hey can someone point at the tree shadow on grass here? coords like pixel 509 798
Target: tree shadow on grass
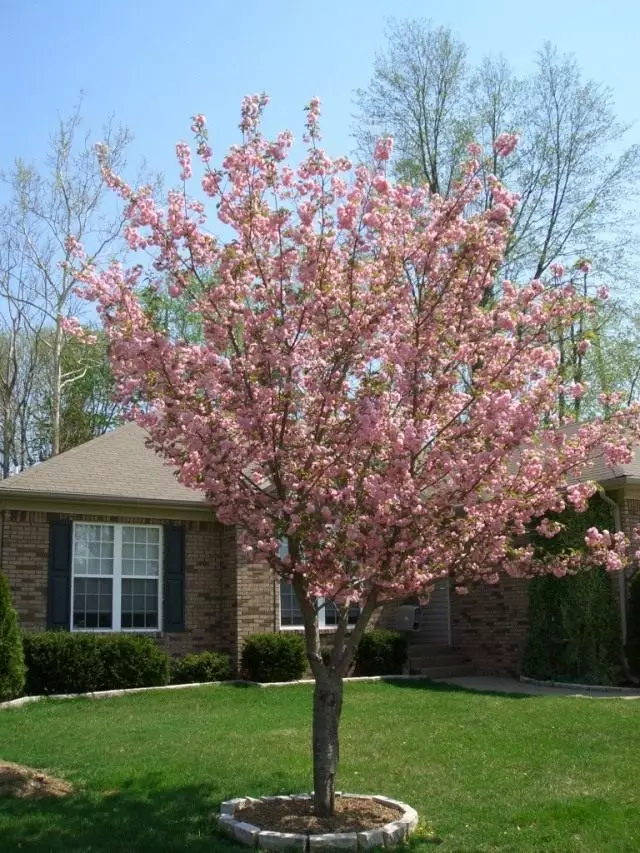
pixel 444 687
pixel 140 818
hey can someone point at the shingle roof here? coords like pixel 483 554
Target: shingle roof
pixel 614 475
pixel 115 466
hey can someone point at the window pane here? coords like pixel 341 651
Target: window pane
pixel 93 549
pixel 330 613
pixel 290 613
pixel 92 603
pixel 139 603
pixel 141 553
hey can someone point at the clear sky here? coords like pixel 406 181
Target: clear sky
pixel 154 63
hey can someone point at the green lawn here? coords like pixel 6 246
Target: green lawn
pixel 486 772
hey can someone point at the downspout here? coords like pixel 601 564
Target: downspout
pixel 622 585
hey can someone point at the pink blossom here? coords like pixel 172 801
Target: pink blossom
pixel 383 148
pixel 505 144
pixel 183 153
pixel 602 292
pixel 557 270
pixel 584 266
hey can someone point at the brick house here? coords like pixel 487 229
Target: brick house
pixel 104 538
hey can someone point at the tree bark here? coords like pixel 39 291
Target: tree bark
pixel 56 384
pixel 327 706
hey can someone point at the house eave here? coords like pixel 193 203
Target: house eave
pixel 107 504
pixel 619 482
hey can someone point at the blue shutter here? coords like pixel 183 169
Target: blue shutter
pixel 59 585
pixel 173 570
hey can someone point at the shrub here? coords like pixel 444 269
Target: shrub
pixel 574 629
pixel 206 666
pixel 574 622
pixel 381 653
pixel 12 672
pixel 632 648
pixel 274 657
pixel 61 662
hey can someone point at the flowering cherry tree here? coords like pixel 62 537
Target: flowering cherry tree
pixel 362 388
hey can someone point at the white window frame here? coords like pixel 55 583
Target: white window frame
pixel 116 577
pixel 321 609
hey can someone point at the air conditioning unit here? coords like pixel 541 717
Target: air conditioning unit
pixel 406 618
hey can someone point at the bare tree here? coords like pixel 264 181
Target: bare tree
pixel 418 95
pixel 575 190
pixel 51 210
pixel 20 355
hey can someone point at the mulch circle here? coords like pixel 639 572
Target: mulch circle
pixel 19 781
pixel 351 815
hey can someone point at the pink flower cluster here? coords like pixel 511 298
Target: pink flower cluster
pixel 505 144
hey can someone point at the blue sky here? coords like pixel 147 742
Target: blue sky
pixel 154 64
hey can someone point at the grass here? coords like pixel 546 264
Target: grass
pixel 486 772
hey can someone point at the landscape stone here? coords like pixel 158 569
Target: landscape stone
pixel 245 833
pixel 370 839
pixel 281 841
pixel 334 841
pixel 230 806
pixel 394 833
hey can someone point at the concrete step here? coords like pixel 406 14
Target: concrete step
pixel 417 645
pixel 436 660
pixel 446 671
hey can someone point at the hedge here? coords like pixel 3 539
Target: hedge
pixel 574 622
pixel 274 657
pixel 633 627
pixel 63 662
pixel 206 666
pixel 381 652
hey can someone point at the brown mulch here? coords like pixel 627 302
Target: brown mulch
pixel 19 781
pixel 351 815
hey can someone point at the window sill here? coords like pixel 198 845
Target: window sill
pixel 157 631
pixel 328 629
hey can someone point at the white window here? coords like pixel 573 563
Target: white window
pixel 116 577
pixel 291 615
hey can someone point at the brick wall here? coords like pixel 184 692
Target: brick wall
pixel 489 625
pixel 24 561
pixel 210 586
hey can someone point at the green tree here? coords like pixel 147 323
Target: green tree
pixel 12 669
pixel 575 188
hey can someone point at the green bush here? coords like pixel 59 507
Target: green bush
pixel 206 666
pixel 381 653
pixel 12 671
pixel 274 657
pixel 632 648
pixel 61 662
pixel 574 629
pixel 574 622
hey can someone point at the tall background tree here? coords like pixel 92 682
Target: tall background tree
pixel 579 186
pixel 572 172
pixel 54 390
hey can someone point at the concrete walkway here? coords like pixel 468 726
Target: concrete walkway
pixel 489 684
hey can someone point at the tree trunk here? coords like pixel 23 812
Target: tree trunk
pixel 56 388
pixel 327 705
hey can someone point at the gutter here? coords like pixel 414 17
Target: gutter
pixel 28 494
pixel 622 586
